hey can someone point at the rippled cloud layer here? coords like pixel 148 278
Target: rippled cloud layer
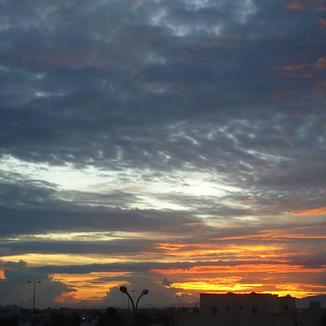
pixel 149 141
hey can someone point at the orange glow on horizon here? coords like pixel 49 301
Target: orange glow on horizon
pixel 225 285
pixel 87 287
pixel 222 285
pixel 253 268
pixel 278 279
pixel 2 275
pixel 258 262
pixel 66 298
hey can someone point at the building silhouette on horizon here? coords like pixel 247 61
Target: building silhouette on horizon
pixel 252 309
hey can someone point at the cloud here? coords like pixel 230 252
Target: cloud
pixel 16 290
pixel 166 282
pixel 158 295
pixel 131 124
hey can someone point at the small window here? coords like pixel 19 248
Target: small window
pixel 286 307
pixel 254 310
pixel 228 308
pixel 214 310
pixel 240 308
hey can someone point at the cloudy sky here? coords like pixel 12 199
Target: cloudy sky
pixel 178 145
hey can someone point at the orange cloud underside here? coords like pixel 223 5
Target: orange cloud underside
pixel 295 5
pixel 245 268
pixel 275 278
pixel 228 267
pixel 261 261
pixel 87 287
pixel 215 251
pixel 312 212
pixel 252 262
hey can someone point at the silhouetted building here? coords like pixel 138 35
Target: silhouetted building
pixel 252 304
pixel 310 317
pixel 249 310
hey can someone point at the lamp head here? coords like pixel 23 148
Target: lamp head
pixel 123 289
pixel 145 292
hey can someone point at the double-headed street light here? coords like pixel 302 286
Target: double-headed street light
pixel 124 290
pixel 34 286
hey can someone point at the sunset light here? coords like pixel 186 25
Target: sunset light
pixel 171 149
pixel 87 287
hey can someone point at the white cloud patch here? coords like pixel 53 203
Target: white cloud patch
pixel 148 187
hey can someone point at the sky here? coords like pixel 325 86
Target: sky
pixel 174 145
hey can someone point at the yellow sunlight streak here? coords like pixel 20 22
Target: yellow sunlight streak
pixel 250 268
pixel 211 252
pixel 233 284
pixel 221 285
pixel 33 259
pixel 311 212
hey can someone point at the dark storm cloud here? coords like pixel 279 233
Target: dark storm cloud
pixel 87 100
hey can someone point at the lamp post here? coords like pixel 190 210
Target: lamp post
pixel 124 290
pixel 34 294
pixel 143 292
pixel 34 290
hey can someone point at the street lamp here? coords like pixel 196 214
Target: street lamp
pixel 34 286
pixel 124 290
pixel 144 292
